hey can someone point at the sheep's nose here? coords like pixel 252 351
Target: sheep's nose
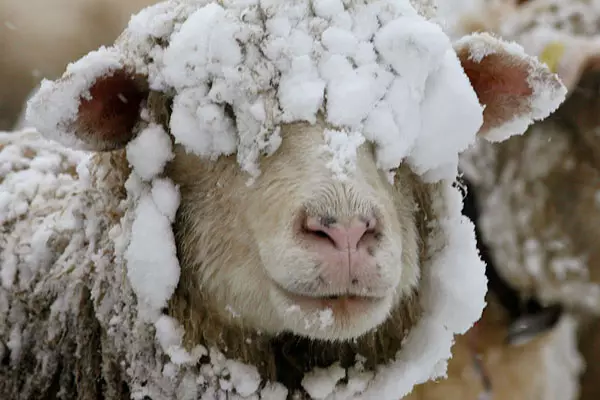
pixel 342 236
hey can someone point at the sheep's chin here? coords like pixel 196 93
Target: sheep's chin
pixel 331 318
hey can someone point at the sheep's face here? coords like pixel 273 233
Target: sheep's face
pixel 298 250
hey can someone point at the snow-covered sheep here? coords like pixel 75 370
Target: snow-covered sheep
pixel 539 192
pixel 515 351
pixel 39 37
pixel 484 365
pixel 254 198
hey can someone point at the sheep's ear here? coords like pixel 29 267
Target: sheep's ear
pixel 515 89
pixel 107 116
pixel 88 109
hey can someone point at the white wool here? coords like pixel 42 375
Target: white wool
pixel 274 391
pixel 459 118
pixel 328 8
pixel 170 335
pixel 337 62
pixel 152 140
pixel 412 46
pixel 321 382
pixel 301 90
pixel 152 265
pixel 38 182
pixel 352 95
pixel 339 41
pixel 346 61
pixel 166 197
pixel 237 70
pixel 204 45
pixel 245 379
pixel 201 128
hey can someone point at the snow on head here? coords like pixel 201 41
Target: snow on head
pixel 237 70
pixel 240 69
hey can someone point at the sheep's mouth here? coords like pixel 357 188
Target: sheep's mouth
pixel 343 303
pixel 350 297
pixel 347 299
pixel 347 296
pixel 338 303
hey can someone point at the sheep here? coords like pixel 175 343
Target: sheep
pixel 543 238
pixel 212 268
pixel 485 366
pixel 512 352
pixel 39 37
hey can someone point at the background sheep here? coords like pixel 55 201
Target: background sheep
pixel 484 365
pixel 539 191
pixel 240 266
pixel 39 37
pixel 513 351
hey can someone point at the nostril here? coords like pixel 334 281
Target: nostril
pixel 320 234
pixel 314 227
pixel 341 236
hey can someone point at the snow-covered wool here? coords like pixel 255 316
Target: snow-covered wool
pixel 37 45
pixel 204 80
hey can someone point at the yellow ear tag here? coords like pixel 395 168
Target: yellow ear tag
pixel 552 54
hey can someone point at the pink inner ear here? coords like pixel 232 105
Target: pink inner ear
pixel 501 86
pixel 106 120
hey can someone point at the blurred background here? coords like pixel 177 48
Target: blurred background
pixel 38 38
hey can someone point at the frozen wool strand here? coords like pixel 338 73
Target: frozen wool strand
pixel 155 140
pixel 152 265
pixel 166 197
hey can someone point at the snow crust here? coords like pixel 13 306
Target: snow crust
pixel 238 69
pixel 374 67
